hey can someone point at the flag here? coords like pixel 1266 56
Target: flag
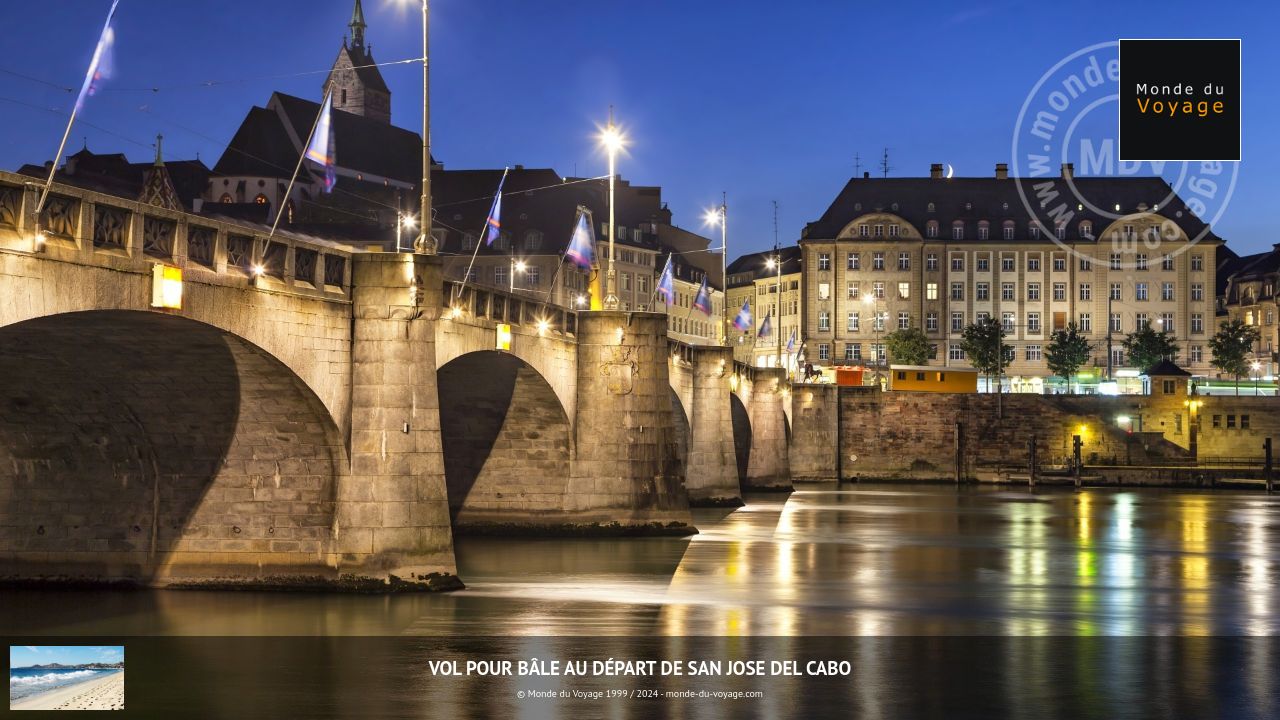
pixel 320 149
pixel 582 247
pixel 666 284
pixel 100 65
pixel 791 341
pixel 766 327
pixel 493 225
pixel 743 320
pixel 702 300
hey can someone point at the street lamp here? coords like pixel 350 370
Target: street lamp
pixel 1257 367
pixel 870 299
pixel 423 237
pixel 775 263
pixel 407 222
pixel 517 266
pixel 720 216
pixel 613 140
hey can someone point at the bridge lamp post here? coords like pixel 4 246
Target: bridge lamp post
pixel 517 266
pixel 613 141
pixel 775 263
pixel 426 132
pixel 870 300
pixel 1257 368
pixel 719 216
pixel 407 222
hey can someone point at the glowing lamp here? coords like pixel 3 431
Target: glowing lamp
pixel 543 326
pixel 166 287
pixel 504 337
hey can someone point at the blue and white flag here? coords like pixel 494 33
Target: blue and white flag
pixel 791 341
pixel 743 321
pixel 493 225
pixel 666 284
pixel 320 149
pixel 100 65
pixel 582 248
pixel 702 301
pixel 766 327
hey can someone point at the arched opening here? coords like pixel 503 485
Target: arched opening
pixel 506 441
pixel 680 429
pixel 135 445
pixel 741 435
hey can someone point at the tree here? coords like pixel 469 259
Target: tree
pixel 1231 346
pixel 1147 347
pixel 907 347
pixel 983 344
pixel 1066 352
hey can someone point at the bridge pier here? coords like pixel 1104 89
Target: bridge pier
pixel 391 522
pixel 768 467
pixel 711 473
pixel 625 473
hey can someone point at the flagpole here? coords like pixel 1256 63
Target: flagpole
pixel 75 110
pixel 467 275
pixel 301 156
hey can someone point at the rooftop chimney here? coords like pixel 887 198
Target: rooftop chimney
pixel 866 174
pixel 935 171
pixel 1002 171
pixel 1068 170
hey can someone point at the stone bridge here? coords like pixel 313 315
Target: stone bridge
pixel 314 414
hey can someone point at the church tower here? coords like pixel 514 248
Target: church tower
pixel 357 84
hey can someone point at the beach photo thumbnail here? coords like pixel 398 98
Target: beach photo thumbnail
pixel 66 677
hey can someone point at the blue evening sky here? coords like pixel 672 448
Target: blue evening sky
pixel 28 655
pixel 764 100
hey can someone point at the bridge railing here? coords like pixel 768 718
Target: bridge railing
pixel 487 303
pixel 93 228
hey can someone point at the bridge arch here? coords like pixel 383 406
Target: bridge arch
pixel 149 447
pixel 507 440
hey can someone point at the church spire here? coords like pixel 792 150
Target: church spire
pixel 357 26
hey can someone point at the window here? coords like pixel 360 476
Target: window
pixel 1166 291
pixel 1007 231
pixel 957 322
pixel 1169 386
pixel 931 229
pixel 955 352
pixel 1115 261
pixel 1033 353
pixel 904 260
pixel 1086 322
pixel 1006 291
pixel 1008 320
pixel 877 261
pixel 1033 264
pixel 824 320
pixel 534 275
pixel 1115 323
pixel 931 321
pixel 1141 320
pixel 983 318
pixel 1231 421
pixel 904 320
pixel 957 263
pixel 984 230
pixel 1061 230
pixel 1166 323
pixel 852 322
pixel 1142 261
pixel 864 231
pixel 853 288
pixel 1086 264
pixel 931 291
pixel 1244 422
pixel 878 321
pixel 1006 264
pixel 984 291
pixel 904 291
pixel 1033 231
pixel 853 351
pixel 261 199
pixel 957 291
pixel 1117 357
pixel 1059 291
pixel 957 230
pixel 893 230
pixel 1197 292
pixel 1086 291
pixel 1197 263
pixel 1140 291
pixel 853 261
pixel 500 275
pixel 1116 290
pixel 824 261
pixel 1033 322
pixel 877 288
pixel 1059 264
pixel 877 353
pixel 824 291
pixel 1197 354
pixel 626 282
pixel 931 262
pixel 984 264
pixel 1166 262
pixel 824 351
pixel 879 231
pixel 1033 291
pixel 1217 421
pixel 642 284
pixel 1086 229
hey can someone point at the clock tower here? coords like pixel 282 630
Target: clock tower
pixel 358 87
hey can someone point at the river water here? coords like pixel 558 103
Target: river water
pixel 923 580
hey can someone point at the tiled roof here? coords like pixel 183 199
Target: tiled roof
pixel 756 264
pixel 113 174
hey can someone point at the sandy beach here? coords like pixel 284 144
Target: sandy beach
pixel 103 693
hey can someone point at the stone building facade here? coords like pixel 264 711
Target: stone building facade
pixel 753 281
pixel 941 253
pixel 1249 295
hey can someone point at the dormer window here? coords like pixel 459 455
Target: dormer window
pixel 984 230
pixel 931 207
pixel 1086 229
pixel 1007 229
pixel 957 230
pixel 931 227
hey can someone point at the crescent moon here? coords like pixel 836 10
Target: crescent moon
pixel 950 171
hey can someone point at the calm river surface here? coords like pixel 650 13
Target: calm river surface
pixel 858 560
pixel 946 602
